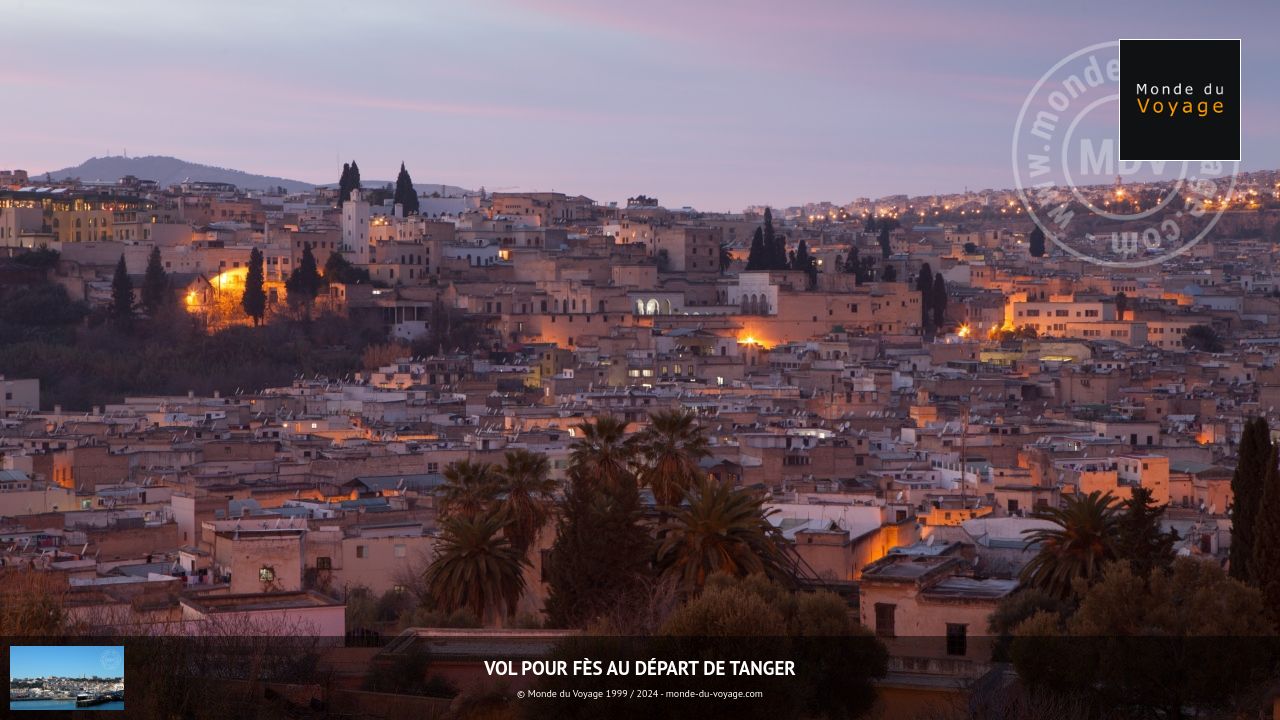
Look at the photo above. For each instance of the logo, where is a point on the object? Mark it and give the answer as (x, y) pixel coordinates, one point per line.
(112, 659)
(1085, 199)
(1180, 99)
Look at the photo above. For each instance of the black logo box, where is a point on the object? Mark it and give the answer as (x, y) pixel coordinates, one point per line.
(1186, 65)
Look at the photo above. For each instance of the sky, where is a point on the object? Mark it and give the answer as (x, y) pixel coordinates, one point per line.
(30, 661)
(707, 103)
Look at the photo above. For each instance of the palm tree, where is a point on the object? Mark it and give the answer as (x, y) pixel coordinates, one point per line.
(720, 529)
(525, 495)
(476, 566)
(602, 454)
(1083, 541)
(671, 447)
(469, 488)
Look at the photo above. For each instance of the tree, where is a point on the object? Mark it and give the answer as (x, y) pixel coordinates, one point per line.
(889, 274)
(349, 181)
(938, 299)
(1266, 541)
(1083, 541)
(726, 258)
(756, 258)
(121, 307)
(721, 529)
(1203, 338)
(406, 196)
(155, 284)
(970, 249)
(602, 554)
(1140, 540)
(775, 246)
(304, 282)
(337, 269)
(885, 248)
(1190, 637)
(254, 300)
(476, 567)
(344, 183)
(1122, 302)
(526, 495)
(924, 285)
(671, 447)
(602, 455)
(1035, 242)
(469, 488)
(1246, 489)
(804, 262)
(756, 617)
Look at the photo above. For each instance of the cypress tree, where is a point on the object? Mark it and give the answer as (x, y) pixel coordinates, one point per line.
(756, 259)
(885, 249)
(405, 195)
(889, 274)
(254, 300)
(344, 183)
(924, 285)
(601, 555)
(939, 300)
(121, 307)
(775, 247)
(304, 282)
(1036, 242)
(155, 284)
(355, 177)
(1265, 564)
(1246, 488)
(1140, 541)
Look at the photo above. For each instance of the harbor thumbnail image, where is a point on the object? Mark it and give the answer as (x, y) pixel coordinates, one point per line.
(66, 677)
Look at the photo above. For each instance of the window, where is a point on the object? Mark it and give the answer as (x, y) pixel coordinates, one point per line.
(324, 563)
(267, 574)
(399, 551)
(884, 619)
(360, 551)
(957, 639)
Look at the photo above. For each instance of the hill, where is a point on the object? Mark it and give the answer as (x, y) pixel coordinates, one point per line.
(168, 171)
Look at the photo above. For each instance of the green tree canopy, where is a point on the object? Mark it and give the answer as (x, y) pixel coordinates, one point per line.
(469, 488)
(720, 529)
(1189, 637)
(1083, 540)
(1203, 338)
(476, 567)
(671, 448)
(526, 495)
(304, 283)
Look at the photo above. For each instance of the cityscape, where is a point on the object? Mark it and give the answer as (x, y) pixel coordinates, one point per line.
(330, 412)
(87, 677)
